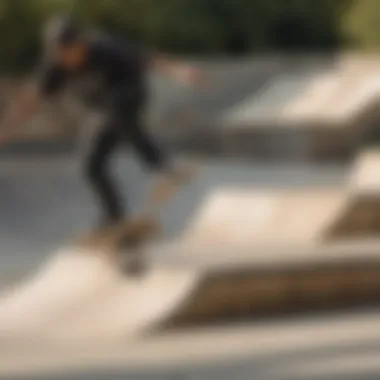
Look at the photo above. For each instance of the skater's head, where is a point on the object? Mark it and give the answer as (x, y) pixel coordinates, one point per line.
(65, 43)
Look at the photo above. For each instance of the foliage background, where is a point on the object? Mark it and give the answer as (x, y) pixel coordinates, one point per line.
(207, 27)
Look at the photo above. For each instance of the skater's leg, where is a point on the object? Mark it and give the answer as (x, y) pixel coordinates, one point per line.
(96, 170)
(132, 131)
(146, 147)
(167, 177)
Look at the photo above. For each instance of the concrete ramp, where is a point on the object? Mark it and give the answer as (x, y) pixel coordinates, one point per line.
(331, 95)
(246, 253)
(308, 112)
(247, 218)
(365, 178)
(79, 295)
(361, 217)
(79, 299)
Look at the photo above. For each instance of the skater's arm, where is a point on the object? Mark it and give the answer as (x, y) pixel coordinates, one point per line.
(28, 100)
(161, 63)
(25, 103)
(179, 71)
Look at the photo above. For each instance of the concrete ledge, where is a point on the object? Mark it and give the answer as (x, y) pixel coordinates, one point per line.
(293, 144)
(360, 220)
(344, 276)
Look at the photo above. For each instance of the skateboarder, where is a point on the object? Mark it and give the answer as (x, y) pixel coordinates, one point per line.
(112, 76)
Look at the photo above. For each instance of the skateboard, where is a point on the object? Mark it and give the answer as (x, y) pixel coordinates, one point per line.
(126, 241)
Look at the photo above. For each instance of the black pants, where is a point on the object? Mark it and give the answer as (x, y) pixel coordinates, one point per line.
(121, 128)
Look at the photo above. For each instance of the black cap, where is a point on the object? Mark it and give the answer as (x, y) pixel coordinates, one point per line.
(61, 30)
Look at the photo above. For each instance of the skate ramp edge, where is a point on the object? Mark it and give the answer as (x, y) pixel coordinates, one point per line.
(365, 179)
(79, 295)
(361, 216)
(281, 280)
(223, 216)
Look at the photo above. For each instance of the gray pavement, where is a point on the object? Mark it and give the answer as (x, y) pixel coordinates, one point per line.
(44, 203)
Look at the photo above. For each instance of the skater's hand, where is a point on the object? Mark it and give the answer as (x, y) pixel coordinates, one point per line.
(21, 108)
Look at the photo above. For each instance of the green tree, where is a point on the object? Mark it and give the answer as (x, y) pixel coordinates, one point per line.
(198, 26)
(361, 24)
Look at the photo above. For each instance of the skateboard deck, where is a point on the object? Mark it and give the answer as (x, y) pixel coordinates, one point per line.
(124, 234)
(125, 241)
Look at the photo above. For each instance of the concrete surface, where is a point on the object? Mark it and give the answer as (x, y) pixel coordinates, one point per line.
(361, 217)
(327, 94)
(45, 203)
(82, 296)
(315, 108)
(365, 176)
(243, 219)
(44, 295)
(330, 347)
(50, 192)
